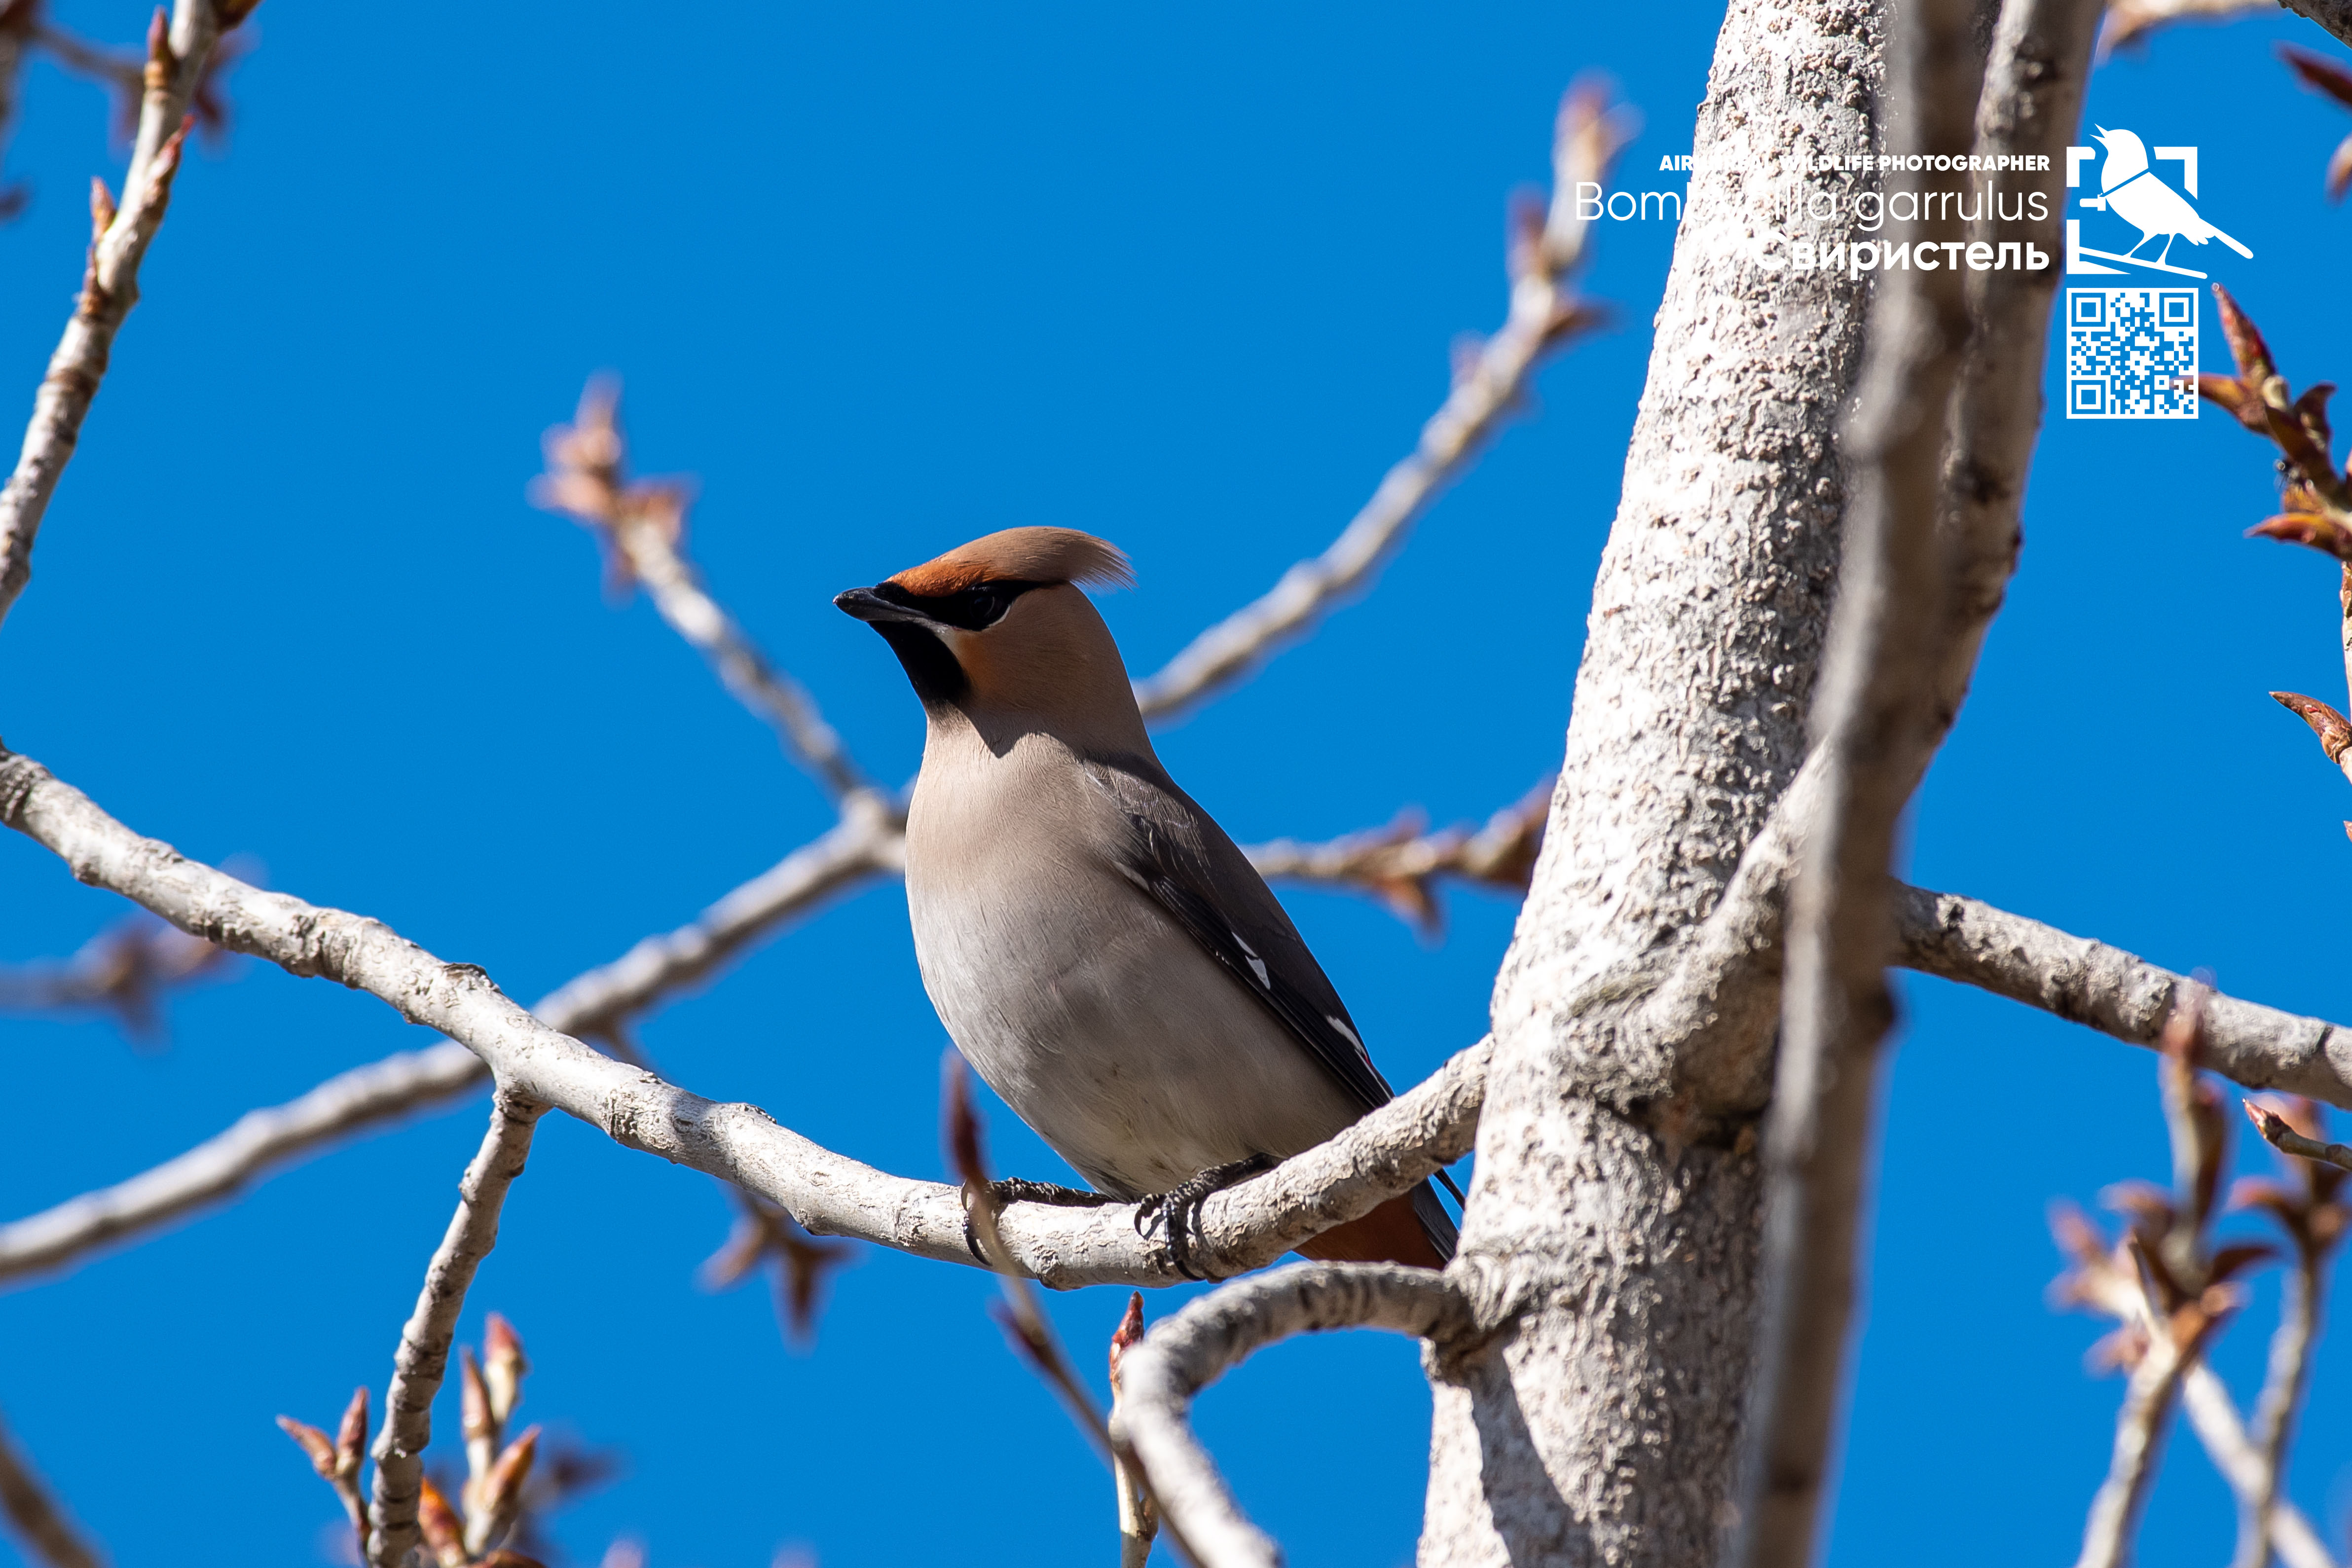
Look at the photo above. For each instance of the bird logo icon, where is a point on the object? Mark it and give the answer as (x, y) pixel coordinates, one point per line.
(2130, 189)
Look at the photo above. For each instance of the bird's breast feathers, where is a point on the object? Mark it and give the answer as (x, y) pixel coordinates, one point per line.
(1096, 1017)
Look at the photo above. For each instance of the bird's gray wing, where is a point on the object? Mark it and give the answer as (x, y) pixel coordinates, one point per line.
(1175, 854)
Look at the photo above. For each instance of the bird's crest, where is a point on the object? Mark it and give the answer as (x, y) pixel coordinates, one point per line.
(1021, 554)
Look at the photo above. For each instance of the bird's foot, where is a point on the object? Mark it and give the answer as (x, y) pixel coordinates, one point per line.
(1019, 1190)
(1179, 1205)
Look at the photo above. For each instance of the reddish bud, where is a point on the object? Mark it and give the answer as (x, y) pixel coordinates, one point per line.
(2319, 532)
(474, 1397)
(160, 60)
(315, 1446)
(2334, 732)
(2319, 73)
(504, 1489)
(1124, 1337)
(2246, 346)
(351, 1439)
(102, 209)
(960, 1125)
(444, 1534)
(503, 1366)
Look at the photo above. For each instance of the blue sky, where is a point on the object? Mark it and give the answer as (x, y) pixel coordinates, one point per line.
(883, 278)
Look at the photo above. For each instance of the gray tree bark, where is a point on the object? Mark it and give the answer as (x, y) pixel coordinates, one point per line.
(1612, 1232)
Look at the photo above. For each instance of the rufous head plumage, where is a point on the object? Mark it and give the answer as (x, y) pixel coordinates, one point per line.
(997, 628)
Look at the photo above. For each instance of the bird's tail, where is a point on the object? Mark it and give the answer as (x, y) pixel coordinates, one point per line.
(1414, 1230)
(2233, 245)
(1435, 1222)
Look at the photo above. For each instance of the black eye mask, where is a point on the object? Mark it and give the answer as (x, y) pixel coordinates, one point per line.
(970, 609)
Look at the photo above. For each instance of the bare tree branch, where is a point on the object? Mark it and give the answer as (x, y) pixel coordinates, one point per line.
(1184, 1353)
(37, 1519)
(595, 1003)
(2332, 728)
(1243, 1227)
(17, 20)
(2335, 15)
(1943, 935)
(866, 843)
(2091, 983)
(175, 61)
(382, 1092)
(2129, 22)
(2030, 108)
(424, 1353)
(2215, 1420)
(1401, 867)
(642, 526)
(1544, 312)
(221, 1165)
(1878, 669)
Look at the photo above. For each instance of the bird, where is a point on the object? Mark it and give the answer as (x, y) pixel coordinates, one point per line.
(1101, 953)
(2131, 190)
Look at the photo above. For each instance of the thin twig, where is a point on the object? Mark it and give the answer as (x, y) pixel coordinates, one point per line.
(1022, 1320)
(2175, 1342)
(1185, 1353)
(37, 1519)
(124, 971)
(1548, 248)
(641, 524)
(2285, 1381)
(2215, 1420)
(337, 1459)
(120, 235)
(424, 1353)
(17, 19)
(2309, 1207)
(1138, 1515)
(1402, 866)
(1878, 672)
(2283, 1137)
(763, 1232)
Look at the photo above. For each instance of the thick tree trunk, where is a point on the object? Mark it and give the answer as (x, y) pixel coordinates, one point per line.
(1613, 1227)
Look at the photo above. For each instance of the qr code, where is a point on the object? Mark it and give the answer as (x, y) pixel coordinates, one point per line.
(2131, 353)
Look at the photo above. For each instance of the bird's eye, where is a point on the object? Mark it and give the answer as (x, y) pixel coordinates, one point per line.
(983, 606)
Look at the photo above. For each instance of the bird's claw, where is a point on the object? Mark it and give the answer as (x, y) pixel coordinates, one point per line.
(1181, 1206)
(1019, 1190)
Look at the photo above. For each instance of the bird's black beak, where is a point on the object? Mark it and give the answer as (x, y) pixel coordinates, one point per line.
(870, 607)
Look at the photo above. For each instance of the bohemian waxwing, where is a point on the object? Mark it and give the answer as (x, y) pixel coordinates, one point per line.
(1099, 950)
